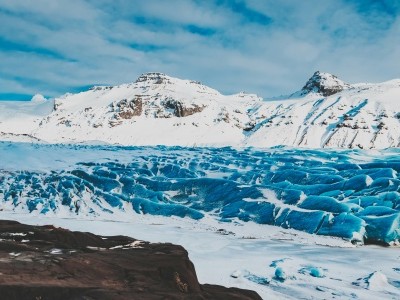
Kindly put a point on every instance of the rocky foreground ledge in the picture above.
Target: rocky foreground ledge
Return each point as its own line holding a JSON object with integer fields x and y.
{"x": 45, "y": 262}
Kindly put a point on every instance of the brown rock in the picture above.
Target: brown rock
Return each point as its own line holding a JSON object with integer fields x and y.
{"x": 54, "y": 263}
{"x": 180, "y": 110}
{"x": 127, "y": 109}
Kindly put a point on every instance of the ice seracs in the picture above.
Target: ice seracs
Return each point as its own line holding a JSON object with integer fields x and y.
{"x": 304, "y": 190}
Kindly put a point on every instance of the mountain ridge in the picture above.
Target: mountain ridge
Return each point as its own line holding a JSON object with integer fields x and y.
{"x": 157, "y": 109}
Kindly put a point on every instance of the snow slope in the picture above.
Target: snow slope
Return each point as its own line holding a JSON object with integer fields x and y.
{"x": 160, "y": 110}
{"x": 17, "y": 119}
{"x": 248, "y": 256}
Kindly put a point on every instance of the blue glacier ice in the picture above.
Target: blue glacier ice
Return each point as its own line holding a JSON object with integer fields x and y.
{"x": 352, "y": 194}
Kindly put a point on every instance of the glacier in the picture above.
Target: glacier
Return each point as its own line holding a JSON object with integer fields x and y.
{"x": 351, "y": 194}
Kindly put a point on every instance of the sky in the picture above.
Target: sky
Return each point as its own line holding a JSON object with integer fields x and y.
{"x": 266, "y": 47}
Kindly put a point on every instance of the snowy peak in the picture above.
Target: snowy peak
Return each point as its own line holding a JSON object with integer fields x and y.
{"x": 152, "y": 77}
{"x": 158, "y": 79}
{"x": 325, "y": 84}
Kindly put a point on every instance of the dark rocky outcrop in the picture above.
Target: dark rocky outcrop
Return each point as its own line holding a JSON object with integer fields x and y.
{"x": 152, "y": 77}
{"x": 249, "y": 126}
{"x": 24, "y": 136}
{"x": 127, "y": 109}
{"x": 180, "y": 110}
{"x": 53, "y": 263}
{"x": 325, "y": 84}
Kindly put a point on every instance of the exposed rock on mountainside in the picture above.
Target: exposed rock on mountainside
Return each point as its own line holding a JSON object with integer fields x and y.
{"x": 127, "y": 109}
{"x": 54, "y": 263}
{"x": 325, "y": 84}
{"x": 153, "y": 77}
{"x": 180, "y": 110}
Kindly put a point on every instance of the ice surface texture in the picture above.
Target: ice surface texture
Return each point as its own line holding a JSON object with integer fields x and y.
{"x": 351, "y": 194}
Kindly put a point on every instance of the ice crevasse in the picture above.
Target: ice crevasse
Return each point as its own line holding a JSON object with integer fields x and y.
{"x": 350, "y": 194}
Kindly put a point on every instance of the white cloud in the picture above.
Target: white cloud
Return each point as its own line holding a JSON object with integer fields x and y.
{"x": 55, "y": 46}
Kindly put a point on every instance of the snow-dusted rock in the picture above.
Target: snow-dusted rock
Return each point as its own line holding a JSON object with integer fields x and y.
{"x": 324, "y": 84}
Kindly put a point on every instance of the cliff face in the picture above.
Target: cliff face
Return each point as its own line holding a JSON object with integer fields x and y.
{"x": 54, "y": 263}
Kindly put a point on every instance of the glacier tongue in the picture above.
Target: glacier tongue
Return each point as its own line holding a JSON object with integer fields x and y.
{"x": 349, "y": 194}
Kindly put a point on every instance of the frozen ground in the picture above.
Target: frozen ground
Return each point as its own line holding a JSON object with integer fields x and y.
{"x": 248, "y": 256}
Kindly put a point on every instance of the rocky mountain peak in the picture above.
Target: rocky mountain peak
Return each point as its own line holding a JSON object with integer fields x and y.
{"x": 152, "y": 77}
{"x": 325, "y": 84}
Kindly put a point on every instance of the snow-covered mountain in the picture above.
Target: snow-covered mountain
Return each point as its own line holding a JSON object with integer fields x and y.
{"x": 329, "y": 113}
{"x": 160, "y": 110}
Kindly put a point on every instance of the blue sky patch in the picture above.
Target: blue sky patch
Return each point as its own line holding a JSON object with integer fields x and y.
{"x": 15, "y": 97}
